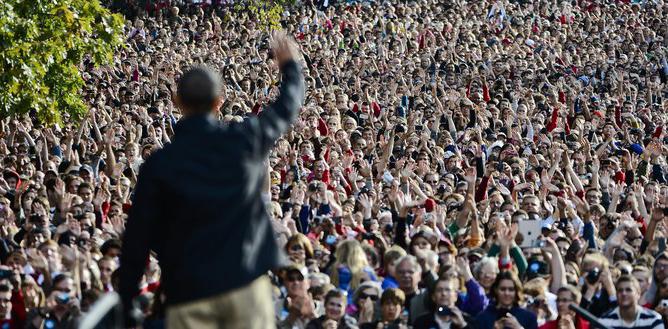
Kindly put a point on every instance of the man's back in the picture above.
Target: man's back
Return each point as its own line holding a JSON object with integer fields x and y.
{"x": 199, "y": 201}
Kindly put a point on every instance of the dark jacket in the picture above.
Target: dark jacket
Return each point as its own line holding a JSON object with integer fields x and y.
{"x": 347, "y": 322}
{"x": 374, "y": 325}
{"x": 198, "y": 203}
{"x": 428, "y": 321}
{"x": 491, "y": 314}
{"x": 600, "y": 303}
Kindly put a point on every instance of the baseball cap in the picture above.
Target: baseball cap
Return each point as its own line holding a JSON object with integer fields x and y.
{"x": 294, "y": 268}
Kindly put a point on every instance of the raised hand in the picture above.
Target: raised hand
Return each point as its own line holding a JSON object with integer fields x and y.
{"x": 284, "y": 48}
{"x": 470, "y": 175}
{"x": 463, "y": 268}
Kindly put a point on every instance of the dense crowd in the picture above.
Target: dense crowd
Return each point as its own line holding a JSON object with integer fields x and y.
{"x": 456, "y": 164}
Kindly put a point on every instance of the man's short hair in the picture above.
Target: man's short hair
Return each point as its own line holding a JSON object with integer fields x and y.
{"x": 575, "y": 294}
{"x": 393, "y": 296}
{"x": 628, "y": 278}
{"x": 199, "y": 88}
{"x": 335, "y": 293}
{"x": 412, "y": 260}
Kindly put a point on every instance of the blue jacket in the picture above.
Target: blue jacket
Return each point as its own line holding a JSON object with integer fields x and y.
{"x": 491, "y": 314}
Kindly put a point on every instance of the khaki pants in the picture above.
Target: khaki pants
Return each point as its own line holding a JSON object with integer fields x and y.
{"x": 249, "y": 307}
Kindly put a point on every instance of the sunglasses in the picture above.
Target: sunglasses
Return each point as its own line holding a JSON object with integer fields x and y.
{"x": 364, "y": 296}
{"x": 293, "y": 278}
{"x": 296, "y": 247}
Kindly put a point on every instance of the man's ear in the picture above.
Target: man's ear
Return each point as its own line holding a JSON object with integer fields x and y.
{"x": 218, "y": 103}
{"x": 176, "y": 100}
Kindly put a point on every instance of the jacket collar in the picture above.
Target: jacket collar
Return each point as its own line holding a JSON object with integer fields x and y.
{"x": 196, "y": 122}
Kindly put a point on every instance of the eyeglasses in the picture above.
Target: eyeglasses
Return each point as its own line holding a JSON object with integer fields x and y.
{"x": 364, "y": 296}
{"x": 432, "y": 181}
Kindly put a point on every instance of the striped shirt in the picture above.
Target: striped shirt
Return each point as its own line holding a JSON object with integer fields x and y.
{"x": 646, "y": 319}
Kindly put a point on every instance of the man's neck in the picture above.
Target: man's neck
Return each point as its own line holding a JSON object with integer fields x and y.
{"x": 628, "y": 314}
{"x": 411, "y": 291}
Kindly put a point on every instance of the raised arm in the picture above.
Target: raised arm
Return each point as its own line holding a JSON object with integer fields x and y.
{"x": 272, "y": 123}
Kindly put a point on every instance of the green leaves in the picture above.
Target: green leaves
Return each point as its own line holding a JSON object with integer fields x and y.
{"x": 266, "y": 13}
{"x": 43, "y": 43}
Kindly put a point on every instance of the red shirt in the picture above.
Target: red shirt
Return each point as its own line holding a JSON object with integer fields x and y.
{"x": 579, "y": 324}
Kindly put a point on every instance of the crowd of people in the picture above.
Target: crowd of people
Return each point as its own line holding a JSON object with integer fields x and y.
{"x": 456, "y": 164}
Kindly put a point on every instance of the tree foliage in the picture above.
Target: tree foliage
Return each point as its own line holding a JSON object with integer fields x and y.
{"x": 43, "y": 45}
{"x": 266, "y": 12}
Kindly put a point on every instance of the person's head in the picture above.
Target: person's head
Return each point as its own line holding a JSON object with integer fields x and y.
{"x": 565, "y": 296}
{"x": 644, "y": 276}
{"x": 507, "y": 290}
{"x": 199, "y": 91}
{"x": 390, "y": 257}
{"x": 486, "y": 271}
{"x": 111, "y": 248}
{"x": 295, "y": 281}
{"x": 628, "y": 292}
{"x": 299, "y": 248}
{"x": 421, "y": 241}
{"x": 5, "y": 302}
{"x": 367, "y": 290}
{"x": 349, "y": 253}
{"x": 662, "y": 291}
{"x": 593, "y": 196}
{"x": 63, "y": 283}
{"x": 446, "y": 253}
{"x": 86, "y": 192}
{"x": 335, "y": 304}
{"x": 107, "y": 266}
{"x": 391, "y": 304}
{"x": 33, "y": 295}
{"x": 661, "y": 267}
{"x": 495, "y": 201}
{"x": 531, "y": 203}
{"x": 408, "y": 273}
{"x": 563, "y": 244}
{"x": 17, "y": 261}
{"x": 445, "y": 290}
{"x": 594, "y": 261}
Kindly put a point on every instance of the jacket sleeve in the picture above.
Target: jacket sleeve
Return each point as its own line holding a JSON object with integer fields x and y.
{"x": 520, "y": 260}
{"x": 400, "y": 230}
{"x": 272, "y": 123}
{"x": 476, "y": 299}
{"x": 143, "y": 218}
{"x": 588, "y": 234}
{"x": 19, "y": 313}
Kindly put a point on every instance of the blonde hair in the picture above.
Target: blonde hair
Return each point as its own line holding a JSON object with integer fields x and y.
{"x": 596, "y": 258}
{"x": 304, "y": 241}
{"x": 349, "y": 253}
